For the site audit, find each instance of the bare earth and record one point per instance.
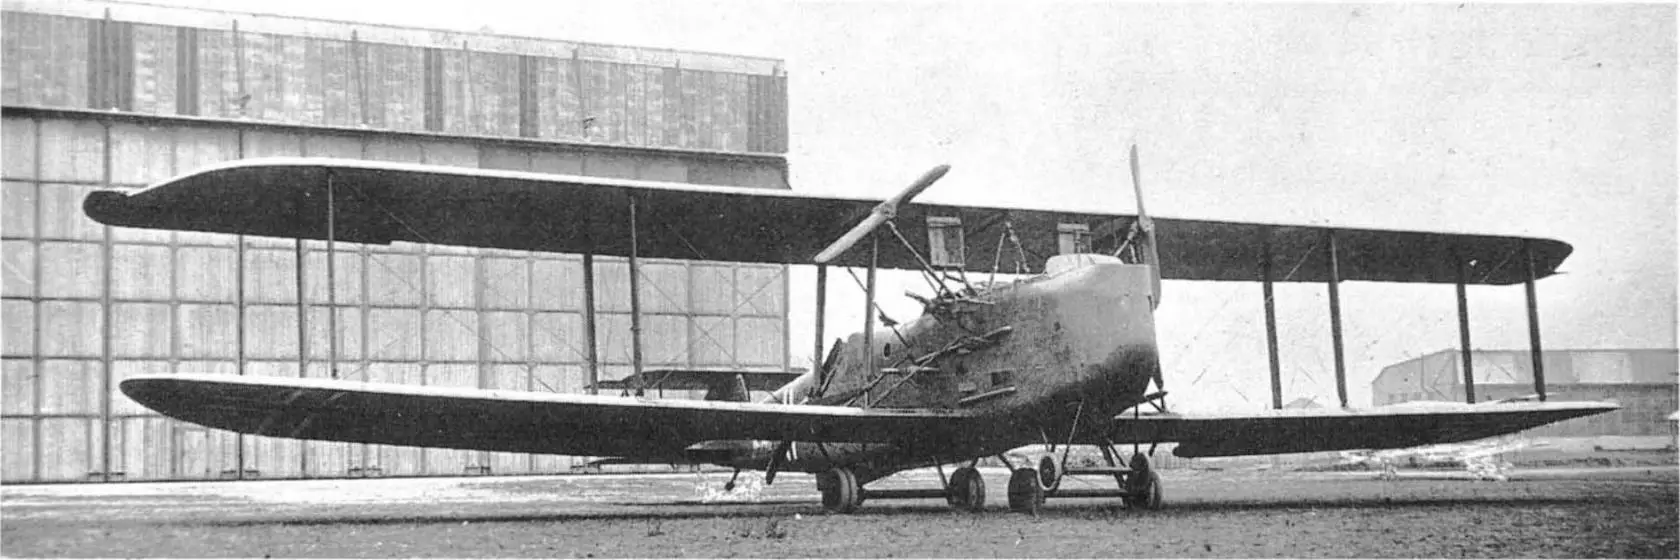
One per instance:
(1626, 512)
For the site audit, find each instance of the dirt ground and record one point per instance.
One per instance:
(1625, 512)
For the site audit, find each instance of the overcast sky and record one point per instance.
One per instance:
(1555, 121)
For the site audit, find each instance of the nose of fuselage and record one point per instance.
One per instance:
(1106, 322)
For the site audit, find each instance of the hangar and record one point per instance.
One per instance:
(1643, 381)
(108, 94)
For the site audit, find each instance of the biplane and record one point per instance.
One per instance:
(1061, 353)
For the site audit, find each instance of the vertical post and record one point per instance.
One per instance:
(869, 369)
(635, 303)
(1271, 323)
(239, 340)
(817, 341)
(303, 336)
(1336, 318)
(1534, 325)
(332, 280)
(589, 322)
(1464, 334)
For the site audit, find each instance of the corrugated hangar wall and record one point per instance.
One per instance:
(87, 305)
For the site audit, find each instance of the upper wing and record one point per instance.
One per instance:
(1298, 431)
(376, 202)
(491, 420)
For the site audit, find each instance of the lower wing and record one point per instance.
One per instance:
(530, 422)
(1304, 430)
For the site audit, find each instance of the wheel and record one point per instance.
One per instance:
(967, 491)
(1049, 476)
(841, 492)
(1026, 491)
(1143, 485)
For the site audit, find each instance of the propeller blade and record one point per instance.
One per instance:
(1137, 187)
(882, 212)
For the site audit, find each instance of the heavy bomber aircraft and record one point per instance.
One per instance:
(1065, 356)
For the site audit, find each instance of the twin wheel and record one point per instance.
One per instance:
(1140, 487)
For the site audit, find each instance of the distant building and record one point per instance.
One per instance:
(1643, 381)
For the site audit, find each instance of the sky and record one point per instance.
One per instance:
(1554, 121)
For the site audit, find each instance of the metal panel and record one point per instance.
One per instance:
(67, 452)
(18, 219)
(451, 335)
(506, 336)
(714, 341)
(220, 89)
(269, 275)
(70, 329)
(155, 69)
(17, 464)
(62, 217)
(70, 387)
(274, 457)
(207, 331)
(557, 284)
(347, 274)
(72, 151)
(759, 290)
(450, 281)
(38, 49)
(558, 112)
(18, 322)
(665, 340)
(481, 93)
(143, 447)
(760, 341)
(557, 337)
(395, 87)
(140, 272)
(664, 287)
(392, 149)
(394, 279)
(202, 274)
(506, 283)
(19, 261)
(349, 333)
(713, 288)
(394, 334)
(612, 285)
(140, 330)
(271, 332)
(613, 339)
(17, 387)
(458, 154)
(17, 141)
(199, 147)
(141, 155)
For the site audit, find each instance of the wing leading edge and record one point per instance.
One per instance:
(515, 421)
(1300, 431)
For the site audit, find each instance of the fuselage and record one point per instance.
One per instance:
(1032, 359)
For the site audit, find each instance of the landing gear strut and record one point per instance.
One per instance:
(967, 490)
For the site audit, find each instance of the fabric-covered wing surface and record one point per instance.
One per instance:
(375, 202)
(489, 420)
(1299, 431)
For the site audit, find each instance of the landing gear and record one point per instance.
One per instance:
(1142, 485)
(1049, 475)
(1026, 490)
(841, 492)
(730, 486)
(967, 490)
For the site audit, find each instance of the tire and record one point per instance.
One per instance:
(840, 490)
(967, 491)
(1146, 491)
(1026, 491)
(1049, 474)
